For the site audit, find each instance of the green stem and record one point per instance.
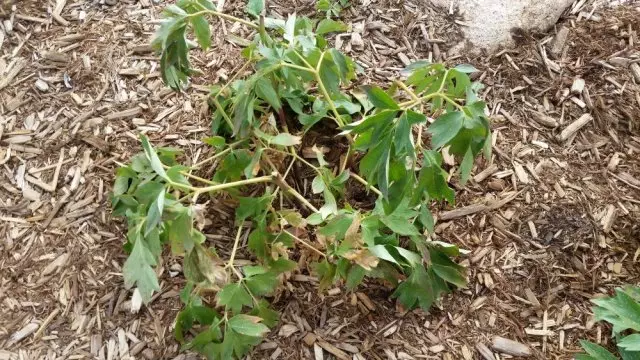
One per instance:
(211, 158)
(222, 112)
(411, 103)
(219, 187)
(235, 249)
(407, 90)
(297, 67)
(226, 17)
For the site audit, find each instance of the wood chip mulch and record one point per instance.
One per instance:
(551, 221)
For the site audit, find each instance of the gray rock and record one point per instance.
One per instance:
(490, 22)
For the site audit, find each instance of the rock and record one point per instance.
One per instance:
(505, 16)
(111, 2)
(42, 85)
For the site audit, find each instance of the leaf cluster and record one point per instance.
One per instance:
(622, 311)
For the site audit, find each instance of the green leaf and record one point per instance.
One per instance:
(255, 161)
(318, 185)
(250, 271)
(466, 68)
(355, 276)
(327, 26)
(630, 342)
(154, 216)
(138, 270)
(255, 7)
(380, 99)
(148, 192)
(622, 311)
(597, 351)
(248, 325)
(413, 258)
(202, 31)
(262, 284)
(327, 273)
(447, 269)
(234, 297)
(215, 141)
(426, 218)
(433, 179)
(399, 225)
(251, 207)
(269, 317)
(445, 128)
(421, 288)
(179, 233)
(151, 155)
(285, 139)
(265, 90)
(465, 167)
(383, 253)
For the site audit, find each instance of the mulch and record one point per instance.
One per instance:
(550, 222)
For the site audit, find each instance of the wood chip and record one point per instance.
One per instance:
(575, 126)
(635, 71)
(485, 352)
(333, 350)
(558, 42)
(510, 347)
(543, 119)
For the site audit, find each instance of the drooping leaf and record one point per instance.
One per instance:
(202, 31)
(154, 216)
(380, 99)
(597, 351)
(265, 90)
(445, 128)
(255, 7)
(328, 25)
(446, 269)
(151, 155)
(465, 167)
(248, 325)
(466, 68)
(138, 270)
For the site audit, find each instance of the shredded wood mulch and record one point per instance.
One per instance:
(551, 221)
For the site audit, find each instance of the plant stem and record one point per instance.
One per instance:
(365, 183)
(279, 180)
(411, 103)
(223, 113)
(235, 249)
(226, 17)
(211, 158)
(297, 67)
(223, 186)
(407, 90)
(309, 246)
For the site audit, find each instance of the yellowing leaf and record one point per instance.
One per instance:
(362, 257)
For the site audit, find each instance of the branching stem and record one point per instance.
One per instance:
(235, 249)
(306, 244)
(226, 17)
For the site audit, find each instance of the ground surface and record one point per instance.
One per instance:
(550, 222)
